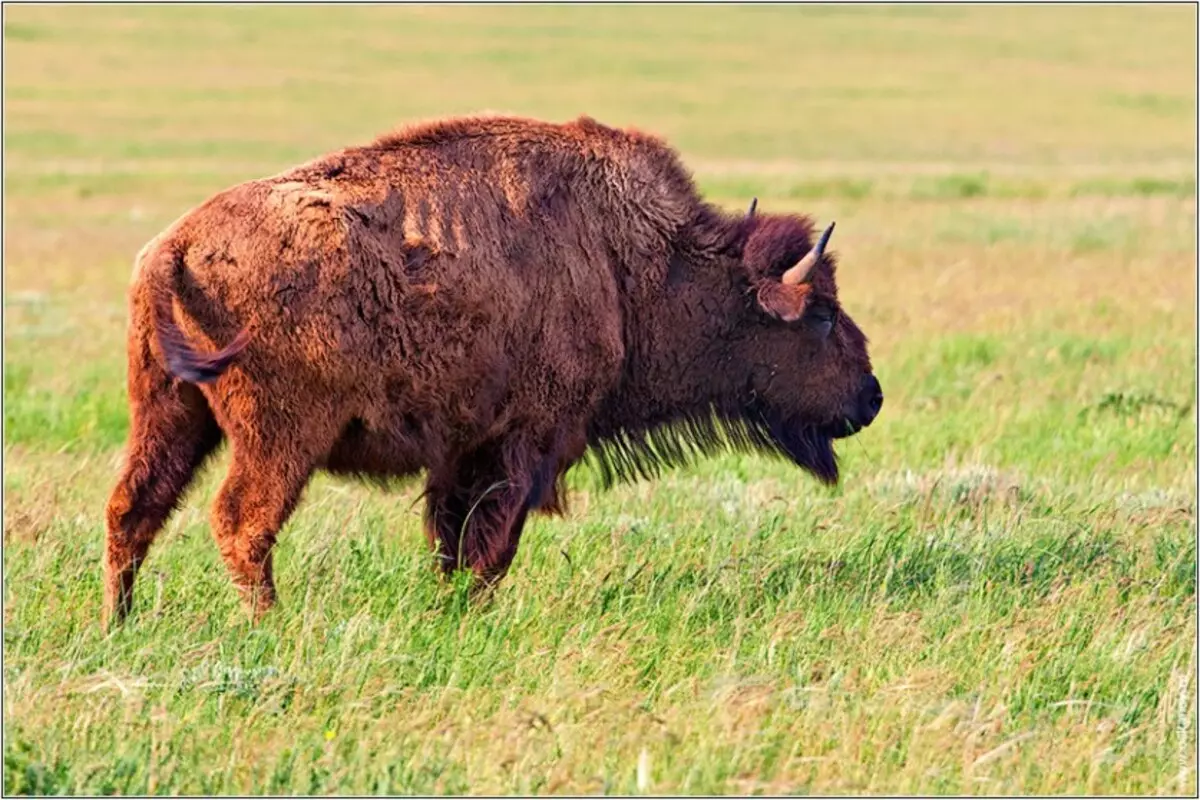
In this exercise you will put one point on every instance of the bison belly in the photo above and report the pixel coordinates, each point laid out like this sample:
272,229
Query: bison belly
374,454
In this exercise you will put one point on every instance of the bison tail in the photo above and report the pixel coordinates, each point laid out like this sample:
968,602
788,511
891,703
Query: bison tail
183,360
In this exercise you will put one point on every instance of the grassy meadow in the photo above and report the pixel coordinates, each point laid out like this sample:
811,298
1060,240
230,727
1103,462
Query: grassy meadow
1000,598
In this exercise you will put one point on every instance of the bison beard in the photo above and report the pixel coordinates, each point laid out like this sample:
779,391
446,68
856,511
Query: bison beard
632,454
809,447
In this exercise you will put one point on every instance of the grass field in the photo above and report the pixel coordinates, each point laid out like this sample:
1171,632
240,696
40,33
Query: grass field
1000,598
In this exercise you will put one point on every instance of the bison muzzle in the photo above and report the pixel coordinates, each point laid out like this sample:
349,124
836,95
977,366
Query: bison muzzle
485,299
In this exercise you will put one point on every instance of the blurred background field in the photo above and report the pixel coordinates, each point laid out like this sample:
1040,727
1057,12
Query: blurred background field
1000,598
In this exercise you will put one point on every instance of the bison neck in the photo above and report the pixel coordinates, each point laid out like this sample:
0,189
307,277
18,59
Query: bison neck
682,391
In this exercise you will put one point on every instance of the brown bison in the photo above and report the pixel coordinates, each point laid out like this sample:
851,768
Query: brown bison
487,299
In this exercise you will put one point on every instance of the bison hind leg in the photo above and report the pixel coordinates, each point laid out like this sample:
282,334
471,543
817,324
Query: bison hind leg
267,476
172,431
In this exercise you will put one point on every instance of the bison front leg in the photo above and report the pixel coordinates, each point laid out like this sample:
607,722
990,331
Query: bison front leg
478,531
475,513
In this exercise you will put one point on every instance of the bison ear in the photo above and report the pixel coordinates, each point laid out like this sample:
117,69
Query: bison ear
783,301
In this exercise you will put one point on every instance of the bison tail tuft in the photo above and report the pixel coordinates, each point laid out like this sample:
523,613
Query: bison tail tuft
183,360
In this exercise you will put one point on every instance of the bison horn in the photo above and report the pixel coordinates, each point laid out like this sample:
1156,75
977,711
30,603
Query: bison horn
753,206
802,271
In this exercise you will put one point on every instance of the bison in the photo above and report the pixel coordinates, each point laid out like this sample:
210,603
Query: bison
488,299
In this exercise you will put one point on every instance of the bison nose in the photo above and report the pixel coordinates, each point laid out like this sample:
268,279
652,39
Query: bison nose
870,400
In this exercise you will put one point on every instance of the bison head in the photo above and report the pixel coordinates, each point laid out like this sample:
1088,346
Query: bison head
809,377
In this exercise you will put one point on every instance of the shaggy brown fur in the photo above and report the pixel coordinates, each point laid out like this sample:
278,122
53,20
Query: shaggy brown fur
486,299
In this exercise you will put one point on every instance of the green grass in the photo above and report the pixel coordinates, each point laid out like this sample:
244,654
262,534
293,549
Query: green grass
998,599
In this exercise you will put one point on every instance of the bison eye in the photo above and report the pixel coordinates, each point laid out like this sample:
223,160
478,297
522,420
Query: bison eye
822,317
